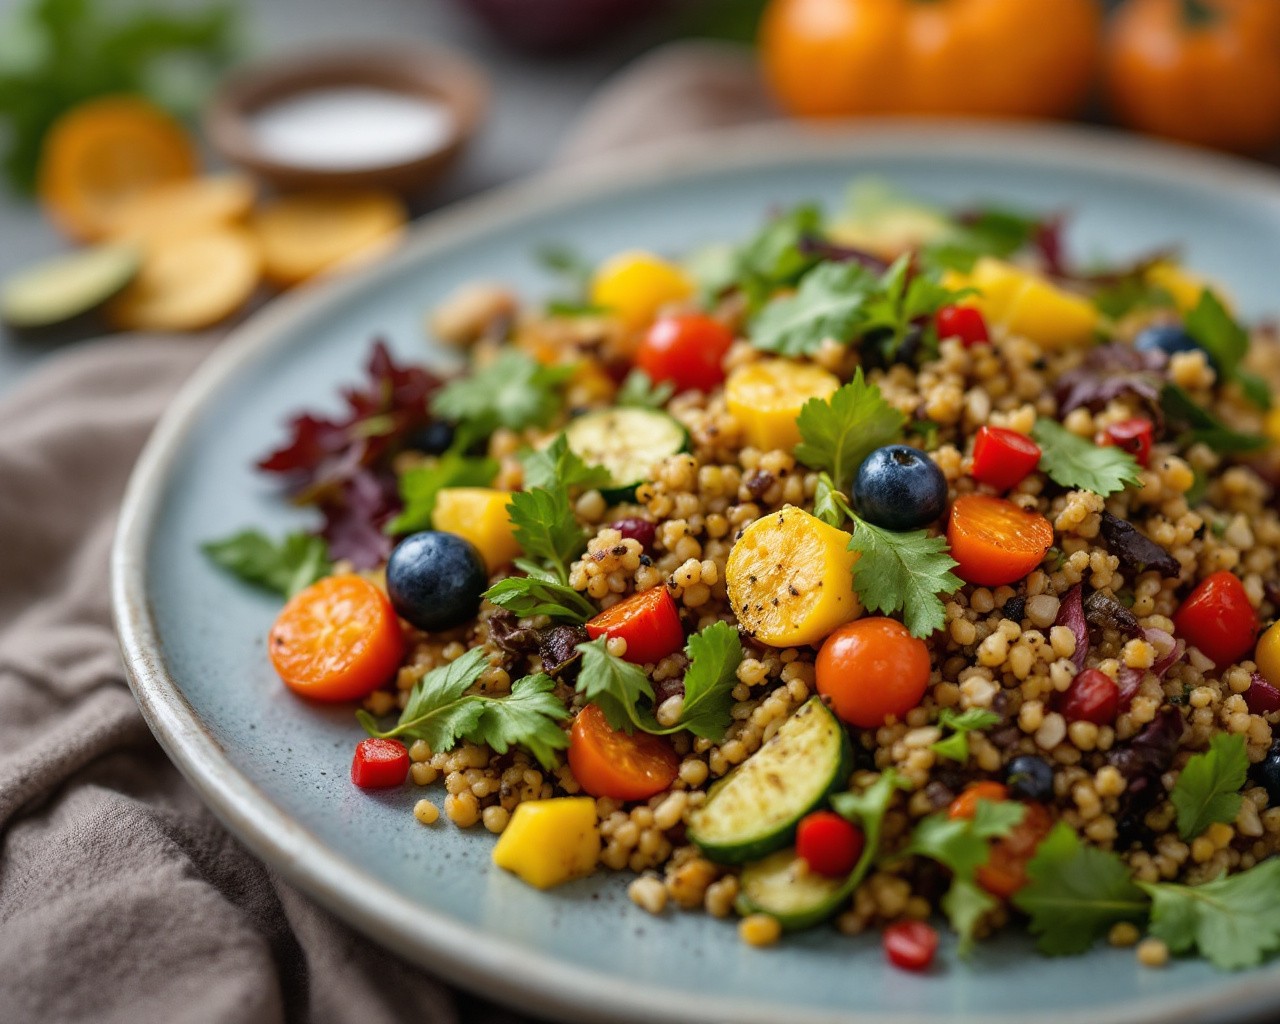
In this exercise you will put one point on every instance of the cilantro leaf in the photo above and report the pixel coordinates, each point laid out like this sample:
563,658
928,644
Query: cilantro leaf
613,685
296,562
904,571
527,717
965,903
775,257
420,486
840,432
566,263
1233,921
514,391
558,465
829,504
714,655
540,594
1079,463
956,746
828,304
438,710
1208,788
867,809
1227,344
1199,426
640,392
545,528
904,299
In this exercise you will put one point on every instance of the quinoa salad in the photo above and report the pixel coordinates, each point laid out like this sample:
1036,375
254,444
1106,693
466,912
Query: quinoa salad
886,570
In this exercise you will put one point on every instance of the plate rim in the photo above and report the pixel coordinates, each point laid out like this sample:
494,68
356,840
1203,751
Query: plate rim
491,965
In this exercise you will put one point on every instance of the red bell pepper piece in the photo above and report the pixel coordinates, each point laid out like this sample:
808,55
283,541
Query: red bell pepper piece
379,764
963,322
648,621
1002,458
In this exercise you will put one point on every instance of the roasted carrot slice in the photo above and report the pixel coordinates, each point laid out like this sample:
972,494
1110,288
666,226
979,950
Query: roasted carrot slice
183,207
189,282
307,233
103,151
994,540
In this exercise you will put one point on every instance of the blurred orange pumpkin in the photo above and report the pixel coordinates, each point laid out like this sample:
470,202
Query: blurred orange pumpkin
1028,58
1204,71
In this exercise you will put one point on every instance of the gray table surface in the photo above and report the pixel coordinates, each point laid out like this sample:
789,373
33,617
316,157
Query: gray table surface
534,101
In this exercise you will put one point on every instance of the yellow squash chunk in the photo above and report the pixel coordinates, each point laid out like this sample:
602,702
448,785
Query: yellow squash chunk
766,397
636,285
480,515
550,841
1267,654
1184,287
1273,427
790,578
1026,304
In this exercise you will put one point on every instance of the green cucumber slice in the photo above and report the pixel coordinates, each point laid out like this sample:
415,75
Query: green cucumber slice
70,286
780,887
626,442
754,809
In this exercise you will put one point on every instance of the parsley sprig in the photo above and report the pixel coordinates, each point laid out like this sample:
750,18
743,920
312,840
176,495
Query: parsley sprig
1208,787
558,465
1227,344
514,391
839,432
1079,463
956,746
421,485
540,593
284,568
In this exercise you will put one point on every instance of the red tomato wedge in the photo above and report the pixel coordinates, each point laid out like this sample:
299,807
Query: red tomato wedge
994,540
609,762
1002,458
648,621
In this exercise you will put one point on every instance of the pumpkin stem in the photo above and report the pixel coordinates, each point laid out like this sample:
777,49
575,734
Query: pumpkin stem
1198,13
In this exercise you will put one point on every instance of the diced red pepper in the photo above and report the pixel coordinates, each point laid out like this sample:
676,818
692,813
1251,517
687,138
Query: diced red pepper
1093,696
1002,458
963,322
829,844
1218,618
379,764
1133,435
648,621
910,945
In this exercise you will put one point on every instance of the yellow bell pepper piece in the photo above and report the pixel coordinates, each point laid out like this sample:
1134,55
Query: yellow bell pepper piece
1267,654
478,514
766,397
1025,304
790,578
550,841
1272,426
636,285
1184,287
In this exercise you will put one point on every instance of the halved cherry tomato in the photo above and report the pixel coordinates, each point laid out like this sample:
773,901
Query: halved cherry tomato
1217,618
872,668
1093,696
828,843
379,764
1002,458
688,350
1133,436
648,621
966,804
338,639
994,540
963,322
910,944
1005,871
609,762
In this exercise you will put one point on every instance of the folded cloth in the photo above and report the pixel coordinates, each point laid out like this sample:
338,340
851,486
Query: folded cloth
121,897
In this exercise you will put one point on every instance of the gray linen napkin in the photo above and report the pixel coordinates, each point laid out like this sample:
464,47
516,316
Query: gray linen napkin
122,899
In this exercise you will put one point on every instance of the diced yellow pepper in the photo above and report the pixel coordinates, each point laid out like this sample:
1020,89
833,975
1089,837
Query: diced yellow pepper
790,579
1267,654
550,841
1026,304
1273,426
636,285
766,397
480,515
1184,287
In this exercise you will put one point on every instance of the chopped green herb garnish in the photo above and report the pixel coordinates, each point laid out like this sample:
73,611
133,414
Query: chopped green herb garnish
284,568
642,393
514,391
1208,788
1079,463
421,485
956,746
558,465
1227,344
840,432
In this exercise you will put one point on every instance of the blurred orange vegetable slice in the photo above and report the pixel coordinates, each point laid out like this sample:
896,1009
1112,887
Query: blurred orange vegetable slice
182,207
101,152
307,233
190,282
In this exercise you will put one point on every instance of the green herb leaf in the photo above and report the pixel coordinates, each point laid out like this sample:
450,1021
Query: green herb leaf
901,302
840,432
545,528
568,308
1227,343
421,485
965,903
773,258
1199,426
640,392
829,304
956,746
903,571
285,568
613,685
528,717
714,656
1208,788
526,596
1079,463
1234,921
568,264
514,391
829,504
1076,893
558,465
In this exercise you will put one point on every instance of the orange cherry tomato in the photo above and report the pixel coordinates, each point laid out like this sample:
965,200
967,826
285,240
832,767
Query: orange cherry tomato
648,621
609,762
835,58
1005,871
337,640
1204,71
872,668
687,349
994,540
966,804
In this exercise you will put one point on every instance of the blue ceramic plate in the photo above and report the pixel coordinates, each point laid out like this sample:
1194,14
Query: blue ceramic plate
275,769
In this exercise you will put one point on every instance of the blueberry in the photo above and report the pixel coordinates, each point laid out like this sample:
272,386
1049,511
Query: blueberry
899,488
1030,778
1166,338
432,439
1267,774
435,579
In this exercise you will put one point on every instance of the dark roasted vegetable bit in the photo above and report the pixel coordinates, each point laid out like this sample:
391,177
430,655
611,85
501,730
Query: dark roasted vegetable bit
1105,612
558,647
1145,758
1137,552
1071,615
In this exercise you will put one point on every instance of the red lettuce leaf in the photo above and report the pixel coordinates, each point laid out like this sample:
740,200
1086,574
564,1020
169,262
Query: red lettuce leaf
1110,371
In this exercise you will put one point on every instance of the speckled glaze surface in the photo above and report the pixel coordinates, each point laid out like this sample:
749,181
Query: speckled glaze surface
276,769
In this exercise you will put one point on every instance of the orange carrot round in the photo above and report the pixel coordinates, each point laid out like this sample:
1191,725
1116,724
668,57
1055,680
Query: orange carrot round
994,540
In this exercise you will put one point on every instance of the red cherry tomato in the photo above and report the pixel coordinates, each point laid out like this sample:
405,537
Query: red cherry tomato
963,322
1002,458
1005,871
1217,618
648,621
829,844
910,945
1093,696
609,762
688,350
872,668
379,764
1134,436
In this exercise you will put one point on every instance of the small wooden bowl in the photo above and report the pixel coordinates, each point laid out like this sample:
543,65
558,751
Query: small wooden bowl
413,69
